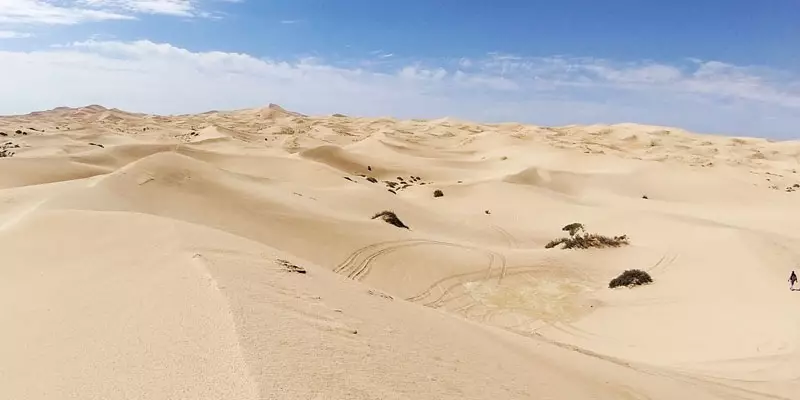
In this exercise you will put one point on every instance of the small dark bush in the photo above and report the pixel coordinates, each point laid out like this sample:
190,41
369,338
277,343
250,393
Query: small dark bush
289,267
631,278
373,180
390,218
437,193
573,228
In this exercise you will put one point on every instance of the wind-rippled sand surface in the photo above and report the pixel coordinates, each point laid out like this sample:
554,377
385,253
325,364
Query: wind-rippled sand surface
232,255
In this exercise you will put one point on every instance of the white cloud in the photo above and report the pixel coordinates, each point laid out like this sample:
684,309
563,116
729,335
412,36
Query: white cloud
71,12
166,7
14,35
51,12
162,78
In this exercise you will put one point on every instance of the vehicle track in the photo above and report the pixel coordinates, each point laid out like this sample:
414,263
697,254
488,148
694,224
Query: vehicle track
663,263
358,265
510,240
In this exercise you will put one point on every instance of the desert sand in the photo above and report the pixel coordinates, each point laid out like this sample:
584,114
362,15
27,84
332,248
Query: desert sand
233,255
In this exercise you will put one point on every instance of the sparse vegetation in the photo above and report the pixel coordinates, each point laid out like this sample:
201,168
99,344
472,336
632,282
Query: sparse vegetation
5,149
289,267
390,218
631,278
437,193
574,228
371,179
580,239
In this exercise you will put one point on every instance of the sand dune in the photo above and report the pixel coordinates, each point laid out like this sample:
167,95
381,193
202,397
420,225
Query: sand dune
233,254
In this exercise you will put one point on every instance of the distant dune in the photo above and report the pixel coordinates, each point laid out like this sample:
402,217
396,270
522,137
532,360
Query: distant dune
233,255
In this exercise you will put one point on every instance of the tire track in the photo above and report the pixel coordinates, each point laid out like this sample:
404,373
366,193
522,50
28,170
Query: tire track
510,240
663,263
460,279
357,269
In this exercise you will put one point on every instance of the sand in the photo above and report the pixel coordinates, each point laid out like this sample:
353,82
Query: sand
233,255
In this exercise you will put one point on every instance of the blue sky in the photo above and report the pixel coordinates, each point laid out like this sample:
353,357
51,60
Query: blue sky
712,66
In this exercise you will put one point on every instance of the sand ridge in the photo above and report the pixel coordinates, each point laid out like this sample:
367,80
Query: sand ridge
232,254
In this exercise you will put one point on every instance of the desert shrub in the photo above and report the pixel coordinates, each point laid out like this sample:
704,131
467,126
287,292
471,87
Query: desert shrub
630,278
390,218
373,180
576,240
437,193
574,228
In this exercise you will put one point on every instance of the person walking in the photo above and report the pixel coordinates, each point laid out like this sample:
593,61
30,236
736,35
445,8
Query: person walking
792,280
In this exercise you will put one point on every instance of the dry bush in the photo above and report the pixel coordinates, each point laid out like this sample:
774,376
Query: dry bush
390,218
631,278
574,228
438,193
290,267
576,240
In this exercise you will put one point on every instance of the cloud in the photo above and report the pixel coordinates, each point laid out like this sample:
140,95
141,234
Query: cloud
153,77
71,12
14,35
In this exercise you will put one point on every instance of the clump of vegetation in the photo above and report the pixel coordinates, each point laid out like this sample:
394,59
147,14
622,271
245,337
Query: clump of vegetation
390,218
373,180
289,267
580,239
287,130
5,149
574,228
631,278
437,193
